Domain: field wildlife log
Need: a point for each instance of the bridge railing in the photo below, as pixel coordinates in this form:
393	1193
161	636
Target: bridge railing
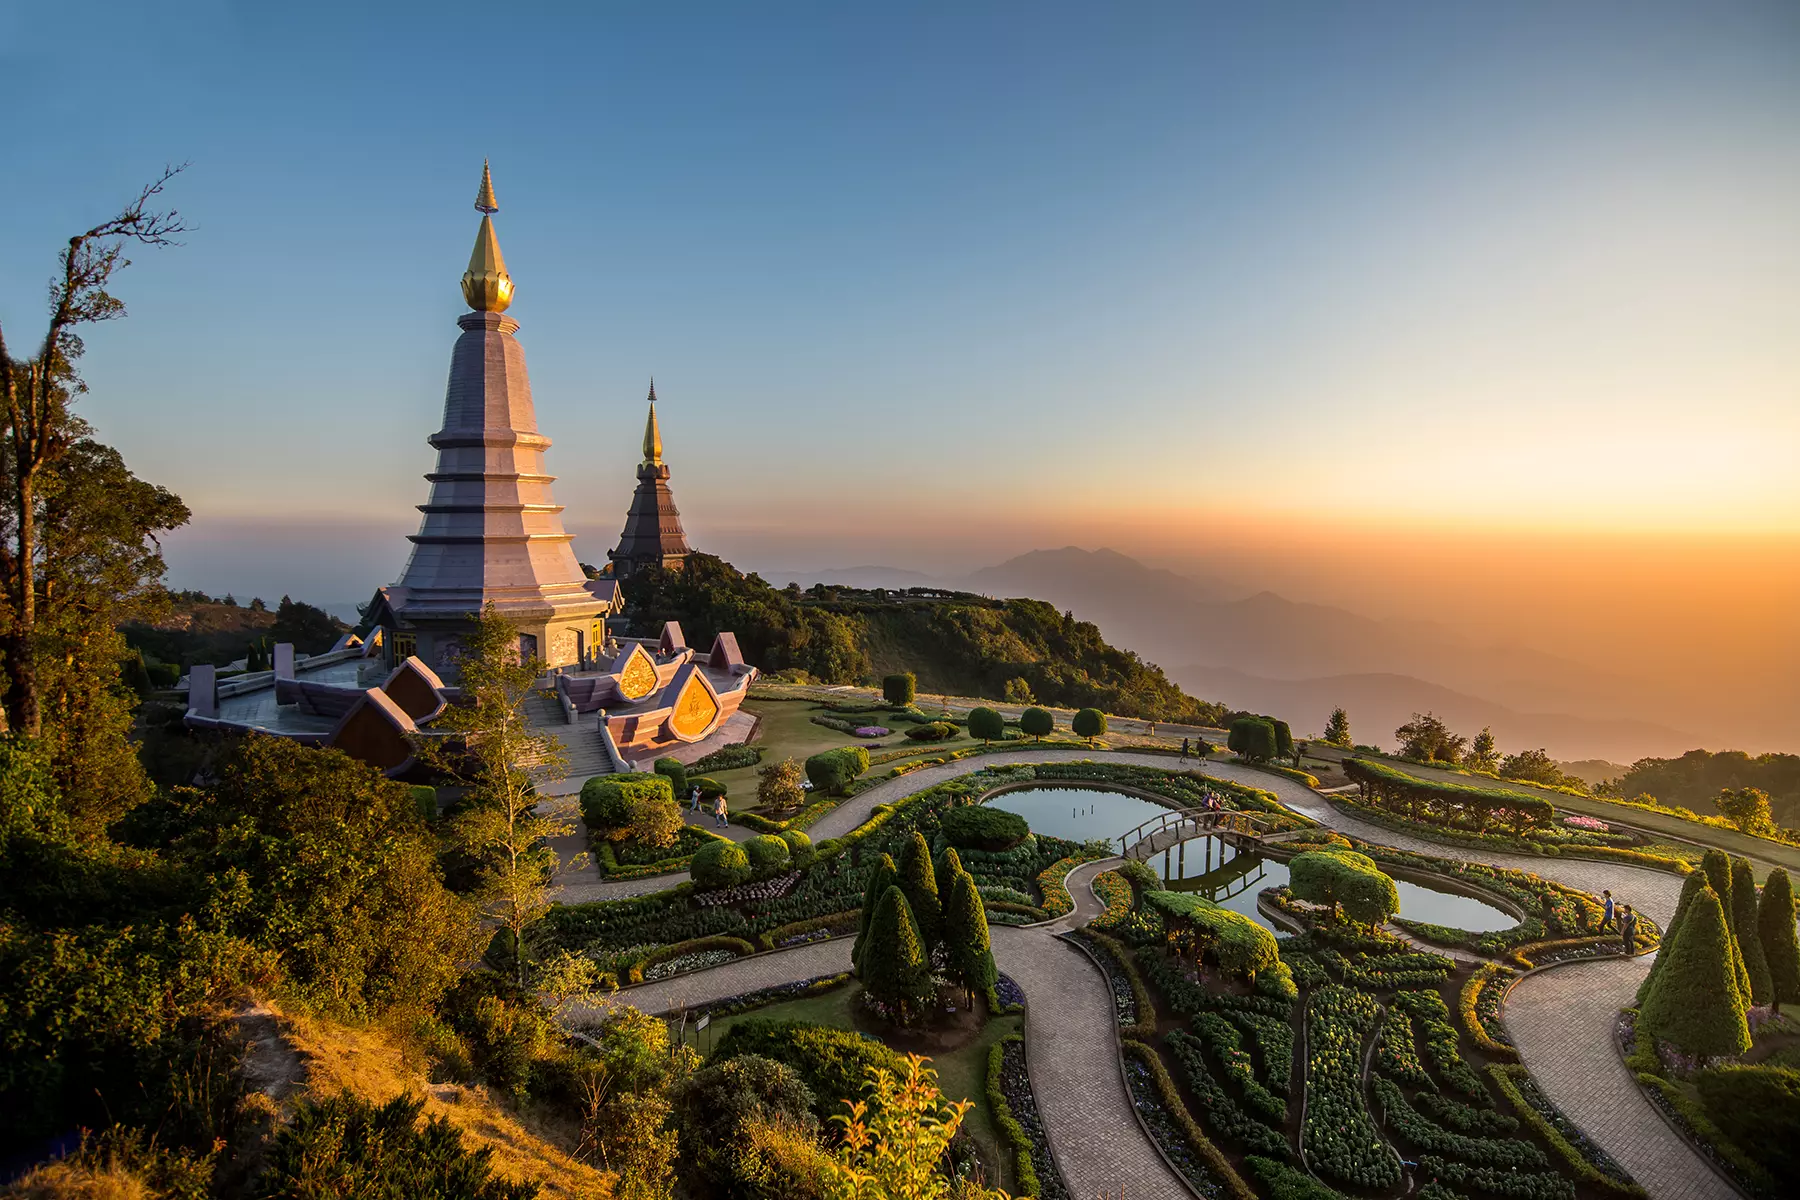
1196	822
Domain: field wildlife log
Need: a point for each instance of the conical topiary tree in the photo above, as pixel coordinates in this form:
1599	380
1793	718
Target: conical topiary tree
895	970
1775	930
1691	887
1717	865
919	881
968	956
1695	1004
1743	926
949	864
883	877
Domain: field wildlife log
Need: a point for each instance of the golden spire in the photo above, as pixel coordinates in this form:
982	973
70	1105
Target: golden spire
652	433
486	285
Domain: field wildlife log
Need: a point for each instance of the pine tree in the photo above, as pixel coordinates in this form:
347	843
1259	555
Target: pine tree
896	971
967	950
1695	1004
1743	926
1337	728
1780	946
1717	865
1484	754
883	877
1691	887
919	881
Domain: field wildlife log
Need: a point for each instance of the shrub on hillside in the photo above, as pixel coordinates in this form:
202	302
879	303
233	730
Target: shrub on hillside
767	853
834	1064
720	864
986	724
604	798
1037	722
978	827
899	690
345	1146
713	1107
931	731
834	770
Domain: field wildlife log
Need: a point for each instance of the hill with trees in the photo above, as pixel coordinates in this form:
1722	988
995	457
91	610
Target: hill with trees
1696	778
955	642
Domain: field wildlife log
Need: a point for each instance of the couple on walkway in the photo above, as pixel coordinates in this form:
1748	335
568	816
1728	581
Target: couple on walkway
721	814
1626	918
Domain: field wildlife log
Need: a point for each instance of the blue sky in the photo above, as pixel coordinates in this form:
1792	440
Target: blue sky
935	284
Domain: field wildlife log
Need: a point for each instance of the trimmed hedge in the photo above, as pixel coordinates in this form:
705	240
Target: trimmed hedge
837	923
1506	1077
727	758
605	799
767	853
1346	879
721	864
1243	947
978	827
1211	1161
834	770
1487	975
1025	1177
1392	788
675	771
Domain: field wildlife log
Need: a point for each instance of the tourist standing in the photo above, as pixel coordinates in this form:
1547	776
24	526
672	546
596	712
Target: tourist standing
1606	916
720	812
1184	749
1628	931
694	800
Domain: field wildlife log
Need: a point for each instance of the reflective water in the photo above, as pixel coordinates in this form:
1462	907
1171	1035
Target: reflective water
1212	868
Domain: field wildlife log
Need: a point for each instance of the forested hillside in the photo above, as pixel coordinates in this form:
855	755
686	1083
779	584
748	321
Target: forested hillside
953	641
1696	778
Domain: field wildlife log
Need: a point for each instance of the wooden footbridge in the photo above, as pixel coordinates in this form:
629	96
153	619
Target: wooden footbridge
1245	830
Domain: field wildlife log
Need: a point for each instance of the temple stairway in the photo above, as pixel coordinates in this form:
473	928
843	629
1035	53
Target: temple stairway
582	748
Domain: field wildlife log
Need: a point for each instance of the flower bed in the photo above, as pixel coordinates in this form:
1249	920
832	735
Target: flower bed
757	889
1053	881
1009	995
1397	1054
1114	891
1493	1181
1592	824
814	929
688	956
1186	997
1454	1114
726	758
1432	1016
1376	973
871	731
1542	954
1132	1006
1182	1142
1223	1114
1420	1132
1338	1136
1580	1153
1015	1113
1479	1008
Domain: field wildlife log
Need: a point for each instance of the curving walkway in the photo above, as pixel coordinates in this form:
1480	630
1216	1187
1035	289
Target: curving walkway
1559	1019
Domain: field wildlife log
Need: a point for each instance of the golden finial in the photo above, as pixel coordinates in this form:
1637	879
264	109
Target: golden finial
484	199
486	285
652	433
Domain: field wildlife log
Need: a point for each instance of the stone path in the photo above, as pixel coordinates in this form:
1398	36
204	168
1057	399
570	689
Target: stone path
1560	1019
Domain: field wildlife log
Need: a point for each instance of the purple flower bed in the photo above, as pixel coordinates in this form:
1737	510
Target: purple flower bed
762	889
872	731
1166	1133
1015	1088
800	939
1011	995
1124	1000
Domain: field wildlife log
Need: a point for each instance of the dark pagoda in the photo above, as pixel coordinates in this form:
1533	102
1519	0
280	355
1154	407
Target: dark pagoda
653	534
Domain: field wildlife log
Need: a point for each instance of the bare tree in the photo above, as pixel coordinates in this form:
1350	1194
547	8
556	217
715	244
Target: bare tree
40	429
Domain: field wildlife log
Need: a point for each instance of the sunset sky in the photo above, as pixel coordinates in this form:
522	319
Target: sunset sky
934	287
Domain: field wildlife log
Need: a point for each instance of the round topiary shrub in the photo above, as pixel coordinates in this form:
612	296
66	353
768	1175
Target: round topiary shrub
767	853
672	770
800	847
1037	722
1089	723
978	827
606	800
931	731
986	724
720	864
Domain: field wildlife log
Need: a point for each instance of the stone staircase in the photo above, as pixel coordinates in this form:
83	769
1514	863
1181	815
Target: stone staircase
585	753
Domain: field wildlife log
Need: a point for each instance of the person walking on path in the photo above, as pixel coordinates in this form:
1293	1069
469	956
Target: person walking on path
720	811
1184	749
1628	931
694	800
1606	916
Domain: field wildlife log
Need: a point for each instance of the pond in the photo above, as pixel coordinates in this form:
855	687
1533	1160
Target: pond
1208	866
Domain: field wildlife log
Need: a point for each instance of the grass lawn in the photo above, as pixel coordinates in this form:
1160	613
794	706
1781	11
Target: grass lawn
962	1073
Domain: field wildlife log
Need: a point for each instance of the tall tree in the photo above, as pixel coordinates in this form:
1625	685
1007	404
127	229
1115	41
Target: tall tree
491	748
40	429
1337	728
882	876
1691	887
967	949
895	969
1695	1003
1776	931
1484	754
1743	928
918	880
1428	739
